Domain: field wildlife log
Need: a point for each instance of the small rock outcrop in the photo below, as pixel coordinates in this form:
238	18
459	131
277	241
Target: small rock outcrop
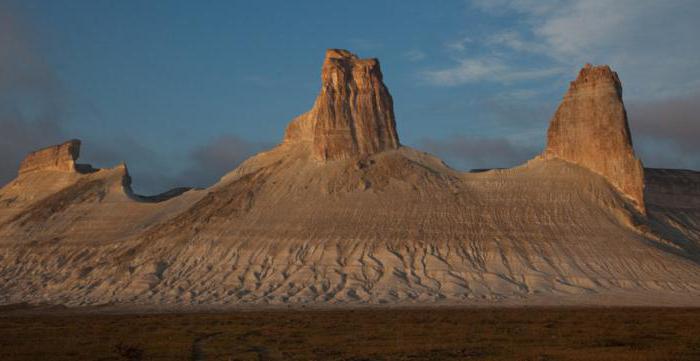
353	116
60	157
590	129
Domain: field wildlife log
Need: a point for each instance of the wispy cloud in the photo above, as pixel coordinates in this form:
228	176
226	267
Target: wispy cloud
485	69
514	41
469	152
210	161
667	131
415	55
652	44
537	7
32	99
35	105
460	44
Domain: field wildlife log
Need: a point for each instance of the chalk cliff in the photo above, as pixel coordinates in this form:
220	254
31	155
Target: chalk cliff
353	116
340	213
590	129
58	157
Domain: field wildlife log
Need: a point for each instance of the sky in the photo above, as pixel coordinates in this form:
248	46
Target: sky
183	91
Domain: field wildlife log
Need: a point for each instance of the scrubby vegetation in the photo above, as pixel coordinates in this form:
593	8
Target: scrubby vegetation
361	334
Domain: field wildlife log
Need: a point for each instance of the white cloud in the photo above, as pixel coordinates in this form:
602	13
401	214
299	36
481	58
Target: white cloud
469	152
537	7
666	132
415	55
513	40
485	69
652	44
460	44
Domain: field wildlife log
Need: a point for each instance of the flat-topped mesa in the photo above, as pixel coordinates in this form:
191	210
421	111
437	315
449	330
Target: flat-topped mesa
590	129
353	116
60	157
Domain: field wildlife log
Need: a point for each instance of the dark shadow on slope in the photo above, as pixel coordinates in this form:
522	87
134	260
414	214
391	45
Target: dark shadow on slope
673	204
85	168
160	197
172	193
82	191
481	170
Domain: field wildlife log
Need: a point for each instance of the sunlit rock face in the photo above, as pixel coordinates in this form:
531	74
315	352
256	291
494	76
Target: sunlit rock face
336	215
353	115
57	158
590	129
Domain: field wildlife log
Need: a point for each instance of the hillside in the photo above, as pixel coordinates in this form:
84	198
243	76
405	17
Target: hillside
341	213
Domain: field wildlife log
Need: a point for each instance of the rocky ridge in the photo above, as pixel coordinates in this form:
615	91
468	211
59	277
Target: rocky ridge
341	213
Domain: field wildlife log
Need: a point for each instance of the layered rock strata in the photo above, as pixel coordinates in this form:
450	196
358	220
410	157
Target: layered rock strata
60	157
353	116
590	129
368	224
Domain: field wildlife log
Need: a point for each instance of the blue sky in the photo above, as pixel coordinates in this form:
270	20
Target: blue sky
183	90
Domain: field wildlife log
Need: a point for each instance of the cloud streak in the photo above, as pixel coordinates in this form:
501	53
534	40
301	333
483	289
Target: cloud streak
209	162
667	132
652	44
473	70
32	103
468	152
34	107
415	55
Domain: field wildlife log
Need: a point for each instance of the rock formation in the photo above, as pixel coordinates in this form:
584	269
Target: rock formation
377	225
590	129
57	158
354	113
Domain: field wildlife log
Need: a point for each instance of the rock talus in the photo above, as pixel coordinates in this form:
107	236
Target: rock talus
590	129
60	157
353	116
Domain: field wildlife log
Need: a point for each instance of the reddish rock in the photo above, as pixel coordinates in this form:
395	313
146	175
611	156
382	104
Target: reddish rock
56	158
590	129
353	115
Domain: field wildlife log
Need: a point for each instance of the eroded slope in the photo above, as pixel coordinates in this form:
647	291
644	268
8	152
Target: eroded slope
341	213
395	227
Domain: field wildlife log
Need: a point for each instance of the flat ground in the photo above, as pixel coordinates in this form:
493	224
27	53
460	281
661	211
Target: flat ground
360	334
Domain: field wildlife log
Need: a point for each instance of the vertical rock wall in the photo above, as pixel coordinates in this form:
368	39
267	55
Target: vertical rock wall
590	129
57	158
354	113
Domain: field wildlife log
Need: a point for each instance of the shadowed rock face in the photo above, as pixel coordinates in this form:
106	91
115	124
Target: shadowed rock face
353	115
58	157
590	129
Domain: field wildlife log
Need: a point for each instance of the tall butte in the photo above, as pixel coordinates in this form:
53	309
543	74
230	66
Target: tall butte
590	129
353	116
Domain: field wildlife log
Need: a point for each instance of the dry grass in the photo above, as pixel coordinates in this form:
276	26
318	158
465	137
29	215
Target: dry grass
362	334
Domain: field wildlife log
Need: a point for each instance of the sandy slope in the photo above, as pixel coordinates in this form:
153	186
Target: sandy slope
340	213
397	227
